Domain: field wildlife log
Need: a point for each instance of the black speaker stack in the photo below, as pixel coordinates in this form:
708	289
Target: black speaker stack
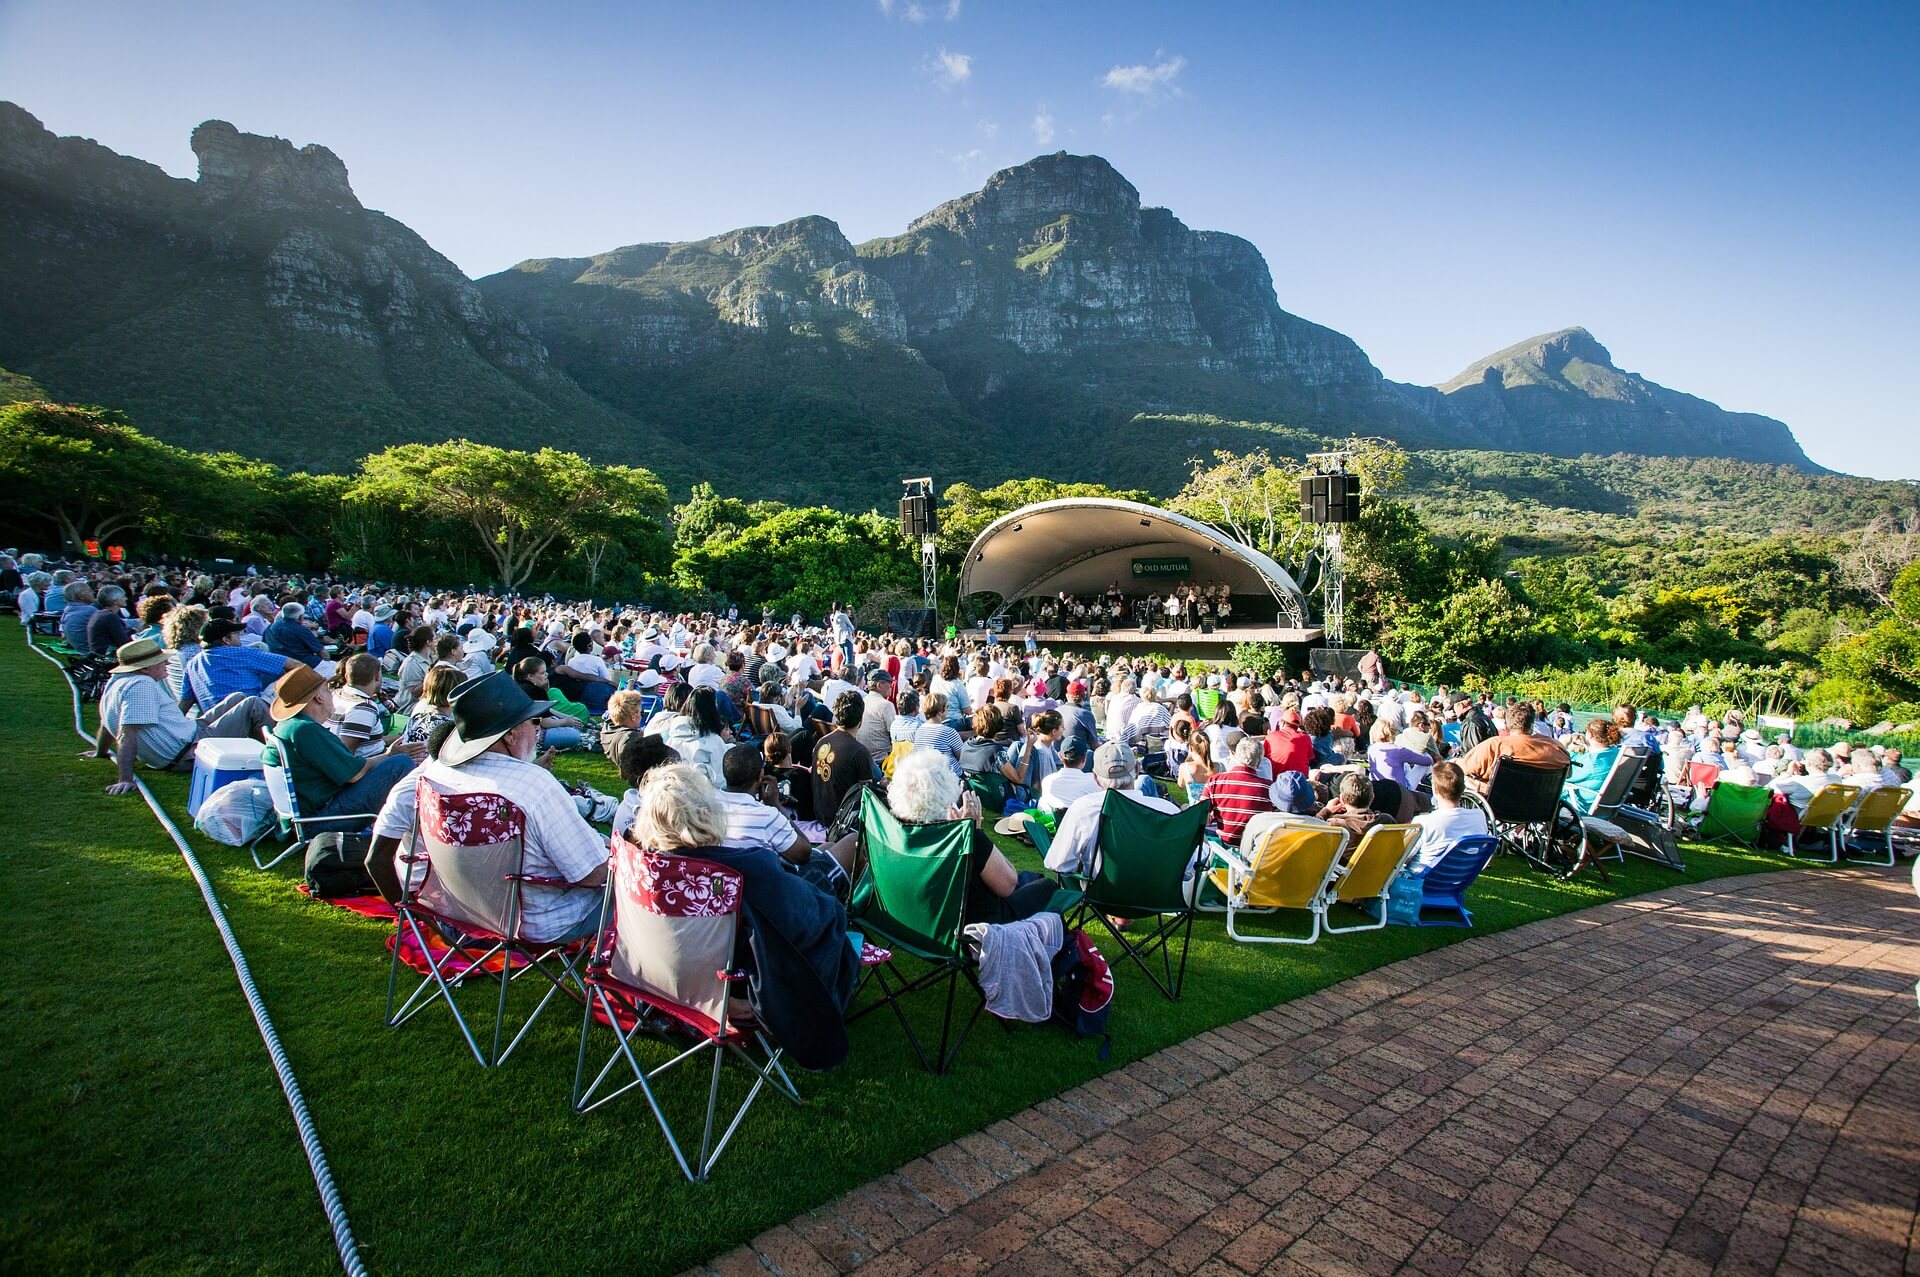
1330	498
917	517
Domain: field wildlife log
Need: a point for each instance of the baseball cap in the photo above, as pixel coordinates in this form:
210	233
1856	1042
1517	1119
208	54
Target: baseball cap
1072	750
1077	688
1113	764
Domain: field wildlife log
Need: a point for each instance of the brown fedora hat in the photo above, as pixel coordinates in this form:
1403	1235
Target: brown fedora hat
295	688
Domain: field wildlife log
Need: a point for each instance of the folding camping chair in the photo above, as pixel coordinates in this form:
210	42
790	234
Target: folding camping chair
1826	811
1441	885
461	904
1525	809
912	897
89	674
1370	872
1285	866
1735	812
1140	875
288	822
1622	778
1869	827
666	945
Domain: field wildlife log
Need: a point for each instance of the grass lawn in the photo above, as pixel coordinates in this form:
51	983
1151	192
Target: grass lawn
147	1132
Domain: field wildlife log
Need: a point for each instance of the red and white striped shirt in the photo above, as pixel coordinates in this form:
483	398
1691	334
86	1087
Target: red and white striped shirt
1237	795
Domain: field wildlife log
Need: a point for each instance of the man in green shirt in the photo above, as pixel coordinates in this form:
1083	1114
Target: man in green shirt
328	778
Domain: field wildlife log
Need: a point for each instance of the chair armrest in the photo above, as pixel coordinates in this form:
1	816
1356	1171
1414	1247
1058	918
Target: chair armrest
1238	863
362	817
539	880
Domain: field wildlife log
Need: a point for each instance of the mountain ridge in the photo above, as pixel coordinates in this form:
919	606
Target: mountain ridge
1047	309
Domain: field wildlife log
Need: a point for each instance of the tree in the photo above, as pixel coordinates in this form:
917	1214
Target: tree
1480	629
91	476
706	514
519	504
803	560
1875	555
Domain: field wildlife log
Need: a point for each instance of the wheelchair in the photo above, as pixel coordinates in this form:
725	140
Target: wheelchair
1526	810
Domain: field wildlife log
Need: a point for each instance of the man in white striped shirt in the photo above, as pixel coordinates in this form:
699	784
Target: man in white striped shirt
491	750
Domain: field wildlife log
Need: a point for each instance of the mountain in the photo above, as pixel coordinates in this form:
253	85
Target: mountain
260	308
1027	327
1565	385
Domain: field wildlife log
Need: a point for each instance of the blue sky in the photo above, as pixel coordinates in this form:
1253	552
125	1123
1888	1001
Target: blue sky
1728	196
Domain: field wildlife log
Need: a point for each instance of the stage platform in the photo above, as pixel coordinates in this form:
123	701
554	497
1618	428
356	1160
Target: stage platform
1184	643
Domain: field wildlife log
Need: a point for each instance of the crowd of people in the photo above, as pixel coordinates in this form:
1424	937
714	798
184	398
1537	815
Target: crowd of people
751	737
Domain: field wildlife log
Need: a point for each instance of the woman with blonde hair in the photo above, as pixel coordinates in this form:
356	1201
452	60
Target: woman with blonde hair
180	631
802	978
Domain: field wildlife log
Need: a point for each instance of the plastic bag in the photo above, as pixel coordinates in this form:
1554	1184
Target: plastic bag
236	814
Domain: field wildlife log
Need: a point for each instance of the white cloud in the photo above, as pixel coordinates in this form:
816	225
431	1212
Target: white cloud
1043	125
991	128
1146	80
953	10
949	69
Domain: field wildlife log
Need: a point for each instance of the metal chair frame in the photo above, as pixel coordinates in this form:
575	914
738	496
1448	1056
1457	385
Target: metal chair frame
469	949
288	822
614	1000
1532	829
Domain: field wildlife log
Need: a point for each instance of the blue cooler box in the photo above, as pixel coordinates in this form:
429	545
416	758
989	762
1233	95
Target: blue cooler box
221	762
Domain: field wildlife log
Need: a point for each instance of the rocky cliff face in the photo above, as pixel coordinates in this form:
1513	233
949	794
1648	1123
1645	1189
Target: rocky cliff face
240	309
1015	329
1564	387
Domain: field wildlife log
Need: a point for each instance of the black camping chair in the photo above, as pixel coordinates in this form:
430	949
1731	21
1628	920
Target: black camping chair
1526	810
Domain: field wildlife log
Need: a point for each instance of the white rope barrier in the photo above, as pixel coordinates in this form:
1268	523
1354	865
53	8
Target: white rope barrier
289	1085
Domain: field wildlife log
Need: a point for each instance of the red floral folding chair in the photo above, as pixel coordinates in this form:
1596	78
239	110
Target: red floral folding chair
666	952
460	914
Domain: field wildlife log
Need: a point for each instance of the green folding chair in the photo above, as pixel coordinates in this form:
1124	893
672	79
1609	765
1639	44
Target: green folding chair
1141	878
1734	813
912	899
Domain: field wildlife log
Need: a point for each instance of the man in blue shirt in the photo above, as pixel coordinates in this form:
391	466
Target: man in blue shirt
77	615
289	636
380	637
224	667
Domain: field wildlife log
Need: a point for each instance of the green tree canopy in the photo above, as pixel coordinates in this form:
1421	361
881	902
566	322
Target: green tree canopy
803	560
90	475
518	504
965	511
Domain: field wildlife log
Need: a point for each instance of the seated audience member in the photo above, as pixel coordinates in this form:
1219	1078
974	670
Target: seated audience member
878	714
154	610
1238	794
140	721
908	721
1078	836
77	615
560	727
755	823
1353	809
359	716
223	667
937	734
1038	751
1319	726
840	761
623	717
489	748
639	754
1387	760
181	632
328	778
433	706
986	753
681	812
925	791
1594	755
1072	781
413	668
1449	821
1518	742
290	636
107	628
1288	748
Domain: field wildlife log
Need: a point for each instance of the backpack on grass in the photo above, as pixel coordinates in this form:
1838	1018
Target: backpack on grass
337	866
1083	989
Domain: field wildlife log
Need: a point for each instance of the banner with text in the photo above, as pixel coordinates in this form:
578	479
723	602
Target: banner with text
1173	567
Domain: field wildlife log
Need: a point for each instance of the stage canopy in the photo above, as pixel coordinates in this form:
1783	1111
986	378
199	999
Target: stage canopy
1083	544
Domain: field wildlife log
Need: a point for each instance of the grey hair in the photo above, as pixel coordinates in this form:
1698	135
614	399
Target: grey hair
294	611
679	809
110	596
40	581
32	562
924	788
260	605
1247	751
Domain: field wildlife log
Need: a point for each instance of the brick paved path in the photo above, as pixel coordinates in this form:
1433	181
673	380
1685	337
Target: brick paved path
1717	1078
